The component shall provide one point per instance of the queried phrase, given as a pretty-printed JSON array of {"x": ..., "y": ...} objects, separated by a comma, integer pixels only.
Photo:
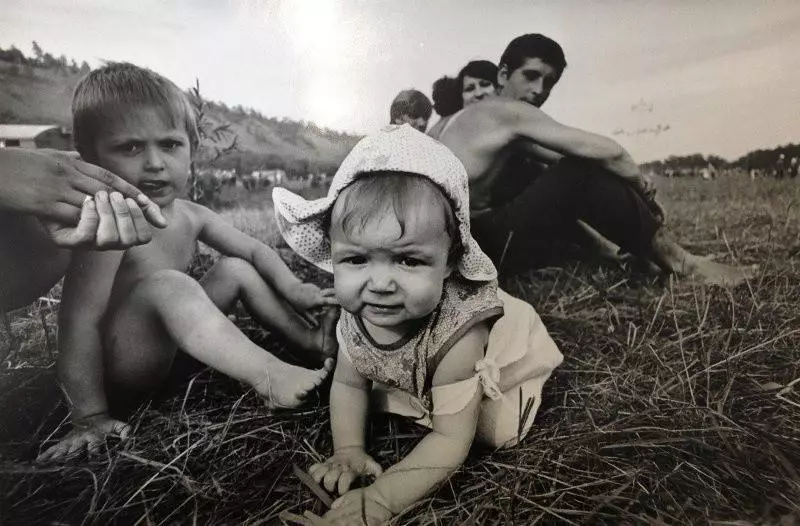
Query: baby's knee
[
  {"x": 498, "y": 437},
  {"x": 500, "y": 426}
]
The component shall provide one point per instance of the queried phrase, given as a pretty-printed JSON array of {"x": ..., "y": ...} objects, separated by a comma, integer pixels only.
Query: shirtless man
[{"x": 533, "y": 179}]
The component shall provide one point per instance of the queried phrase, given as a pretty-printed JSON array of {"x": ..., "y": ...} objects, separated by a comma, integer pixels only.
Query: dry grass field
[{"x": 676, "y": 403}]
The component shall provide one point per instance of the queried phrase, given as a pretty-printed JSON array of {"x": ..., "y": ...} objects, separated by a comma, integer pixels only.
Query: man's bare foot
[
  {"x": 674, "y": 258},
  {"x": 713, "y": 273},
  {"x": 286, "y": 386},
  {"x": 326, "y": 342}
]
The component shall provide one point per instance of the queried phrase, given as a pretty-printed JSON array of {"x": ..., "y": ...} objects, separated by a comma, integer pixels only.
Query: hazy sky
[{"x": 723, "y": 75}]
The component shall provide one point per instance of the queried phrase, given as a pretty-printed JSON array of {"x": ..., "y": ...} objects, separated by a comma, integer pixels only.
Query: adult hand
[
  {"x": 54, "y": 185},
  {"x": 340, "y": 470},
  {"x": 88, "y": 435},
  {"x": 106, "y": 223}
]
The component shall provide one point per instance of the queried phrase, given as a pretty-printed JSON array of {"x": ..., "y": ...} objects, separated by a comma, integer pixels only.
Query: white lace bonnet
[{"x": 394, "y": 148}]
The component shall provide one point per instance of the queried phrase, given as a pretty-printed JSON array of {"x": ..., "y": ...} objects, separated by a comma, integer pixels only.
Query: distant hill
[{"x": 34, "y": 93}]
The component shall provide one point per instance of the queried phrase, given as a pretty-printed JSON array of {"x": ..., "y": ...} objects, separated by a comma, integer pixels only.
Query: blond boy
[{"x": 124, "y": 314}]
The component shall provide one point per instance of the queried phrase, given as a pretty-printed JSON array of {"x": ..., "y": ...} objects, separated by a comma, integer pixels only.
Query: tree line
[
  {"x": 43, "y": 59},
  {"x": 756, "y": 160}
]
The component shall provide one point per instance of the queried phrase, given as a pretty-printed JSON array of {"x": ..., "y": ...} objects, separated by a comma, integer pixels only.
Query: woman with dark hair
[{"x": 476, "y": 81}]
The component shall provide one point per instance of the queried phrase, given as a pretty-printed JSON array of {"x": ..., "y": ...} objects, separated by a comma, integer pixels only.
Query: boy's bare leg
[
  {"x": 233, "y": 279},
  {"x": 674, "y": 258},
  {"x": 168, "y": 310}
]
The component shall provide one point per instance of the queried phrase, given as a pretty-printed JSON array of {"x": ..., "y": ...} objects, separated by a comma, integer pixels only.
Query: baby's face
[
  {"x": 147, "y": 151},
  {"x": 389, "y": 280}
]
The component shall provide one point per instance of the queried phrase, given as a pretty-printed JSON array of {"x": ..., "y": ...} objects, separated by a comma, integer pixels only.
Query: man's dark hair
[
  {"x": 533, "y": 45},
  {"x": 412, "y": 103}
]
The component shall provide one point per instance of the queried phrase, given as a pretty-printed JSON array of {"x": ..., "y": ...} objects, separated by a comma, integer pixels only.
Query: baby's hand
[
  {"x": 351, "y": 508},
  {"x": 88, "y": 434},
  {"x": 343, "y": 467}
]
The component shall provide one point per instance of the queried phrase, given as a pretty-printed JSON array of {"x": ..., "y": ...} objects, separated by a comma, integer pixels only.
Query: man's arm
[
  {"x": 54, "y": 185},
  {"x": 537, "y": 151},
  {"x": 523, "y": 120}
]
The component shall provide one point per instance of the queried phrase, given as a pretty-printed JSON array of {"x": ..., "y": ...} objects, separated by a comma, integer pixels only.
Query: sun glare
[{"x": 316, "y": 30}]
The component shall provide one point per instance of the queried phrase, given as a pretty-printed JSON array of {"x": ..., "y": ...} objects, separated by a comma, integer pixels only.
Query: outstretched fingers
[
  {"x": 151, "y": 211},
  {"x": 141, "y": 227},
  {"x": 89, "y": 179}
]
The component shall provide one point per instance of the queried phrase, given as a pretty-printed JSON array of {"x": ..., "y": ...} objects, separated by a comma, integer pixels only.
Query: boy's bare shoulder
[{"x": 194, "y": 212}]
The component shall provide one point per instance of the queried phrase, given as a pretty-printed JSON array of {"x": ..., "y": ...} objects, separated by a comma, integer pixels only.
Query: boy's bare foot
[{"x": 286, "y": 386}]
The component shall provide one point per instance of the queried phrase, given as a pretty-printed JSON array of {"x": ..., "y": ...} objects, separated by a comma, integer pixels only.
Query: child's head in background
[
  {"x": 137, "y": 124},
  {"x": 411, "y": 107}
]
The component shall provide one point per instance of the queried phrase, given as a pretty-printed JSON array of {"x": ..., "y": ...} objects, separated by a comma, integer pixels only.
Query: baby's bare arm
[
  {"x": 443, "y": 450},
  {"x": 87, "y": 289},
  {"x": 349, "y": 403}
]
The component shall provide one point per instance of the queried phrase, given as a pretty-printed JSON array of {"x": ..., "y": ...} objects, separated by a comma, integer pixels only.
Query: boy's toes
[{"x": 290, "y": 387}]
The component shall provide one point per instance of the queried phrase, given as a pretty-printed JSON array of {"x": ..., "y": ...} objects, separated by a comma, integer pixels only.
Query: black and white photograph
[{"x": 402, "y": 262}]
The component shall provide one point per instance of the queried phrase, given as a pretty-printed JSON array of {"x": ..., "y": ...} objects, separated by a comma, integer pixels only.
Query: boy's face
[
  {"x": 148, "y": 152},
  {"x": 419, "y": 123},
  {"x": 389, "y": 280},
  {"x": 531, "y": 82}
]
